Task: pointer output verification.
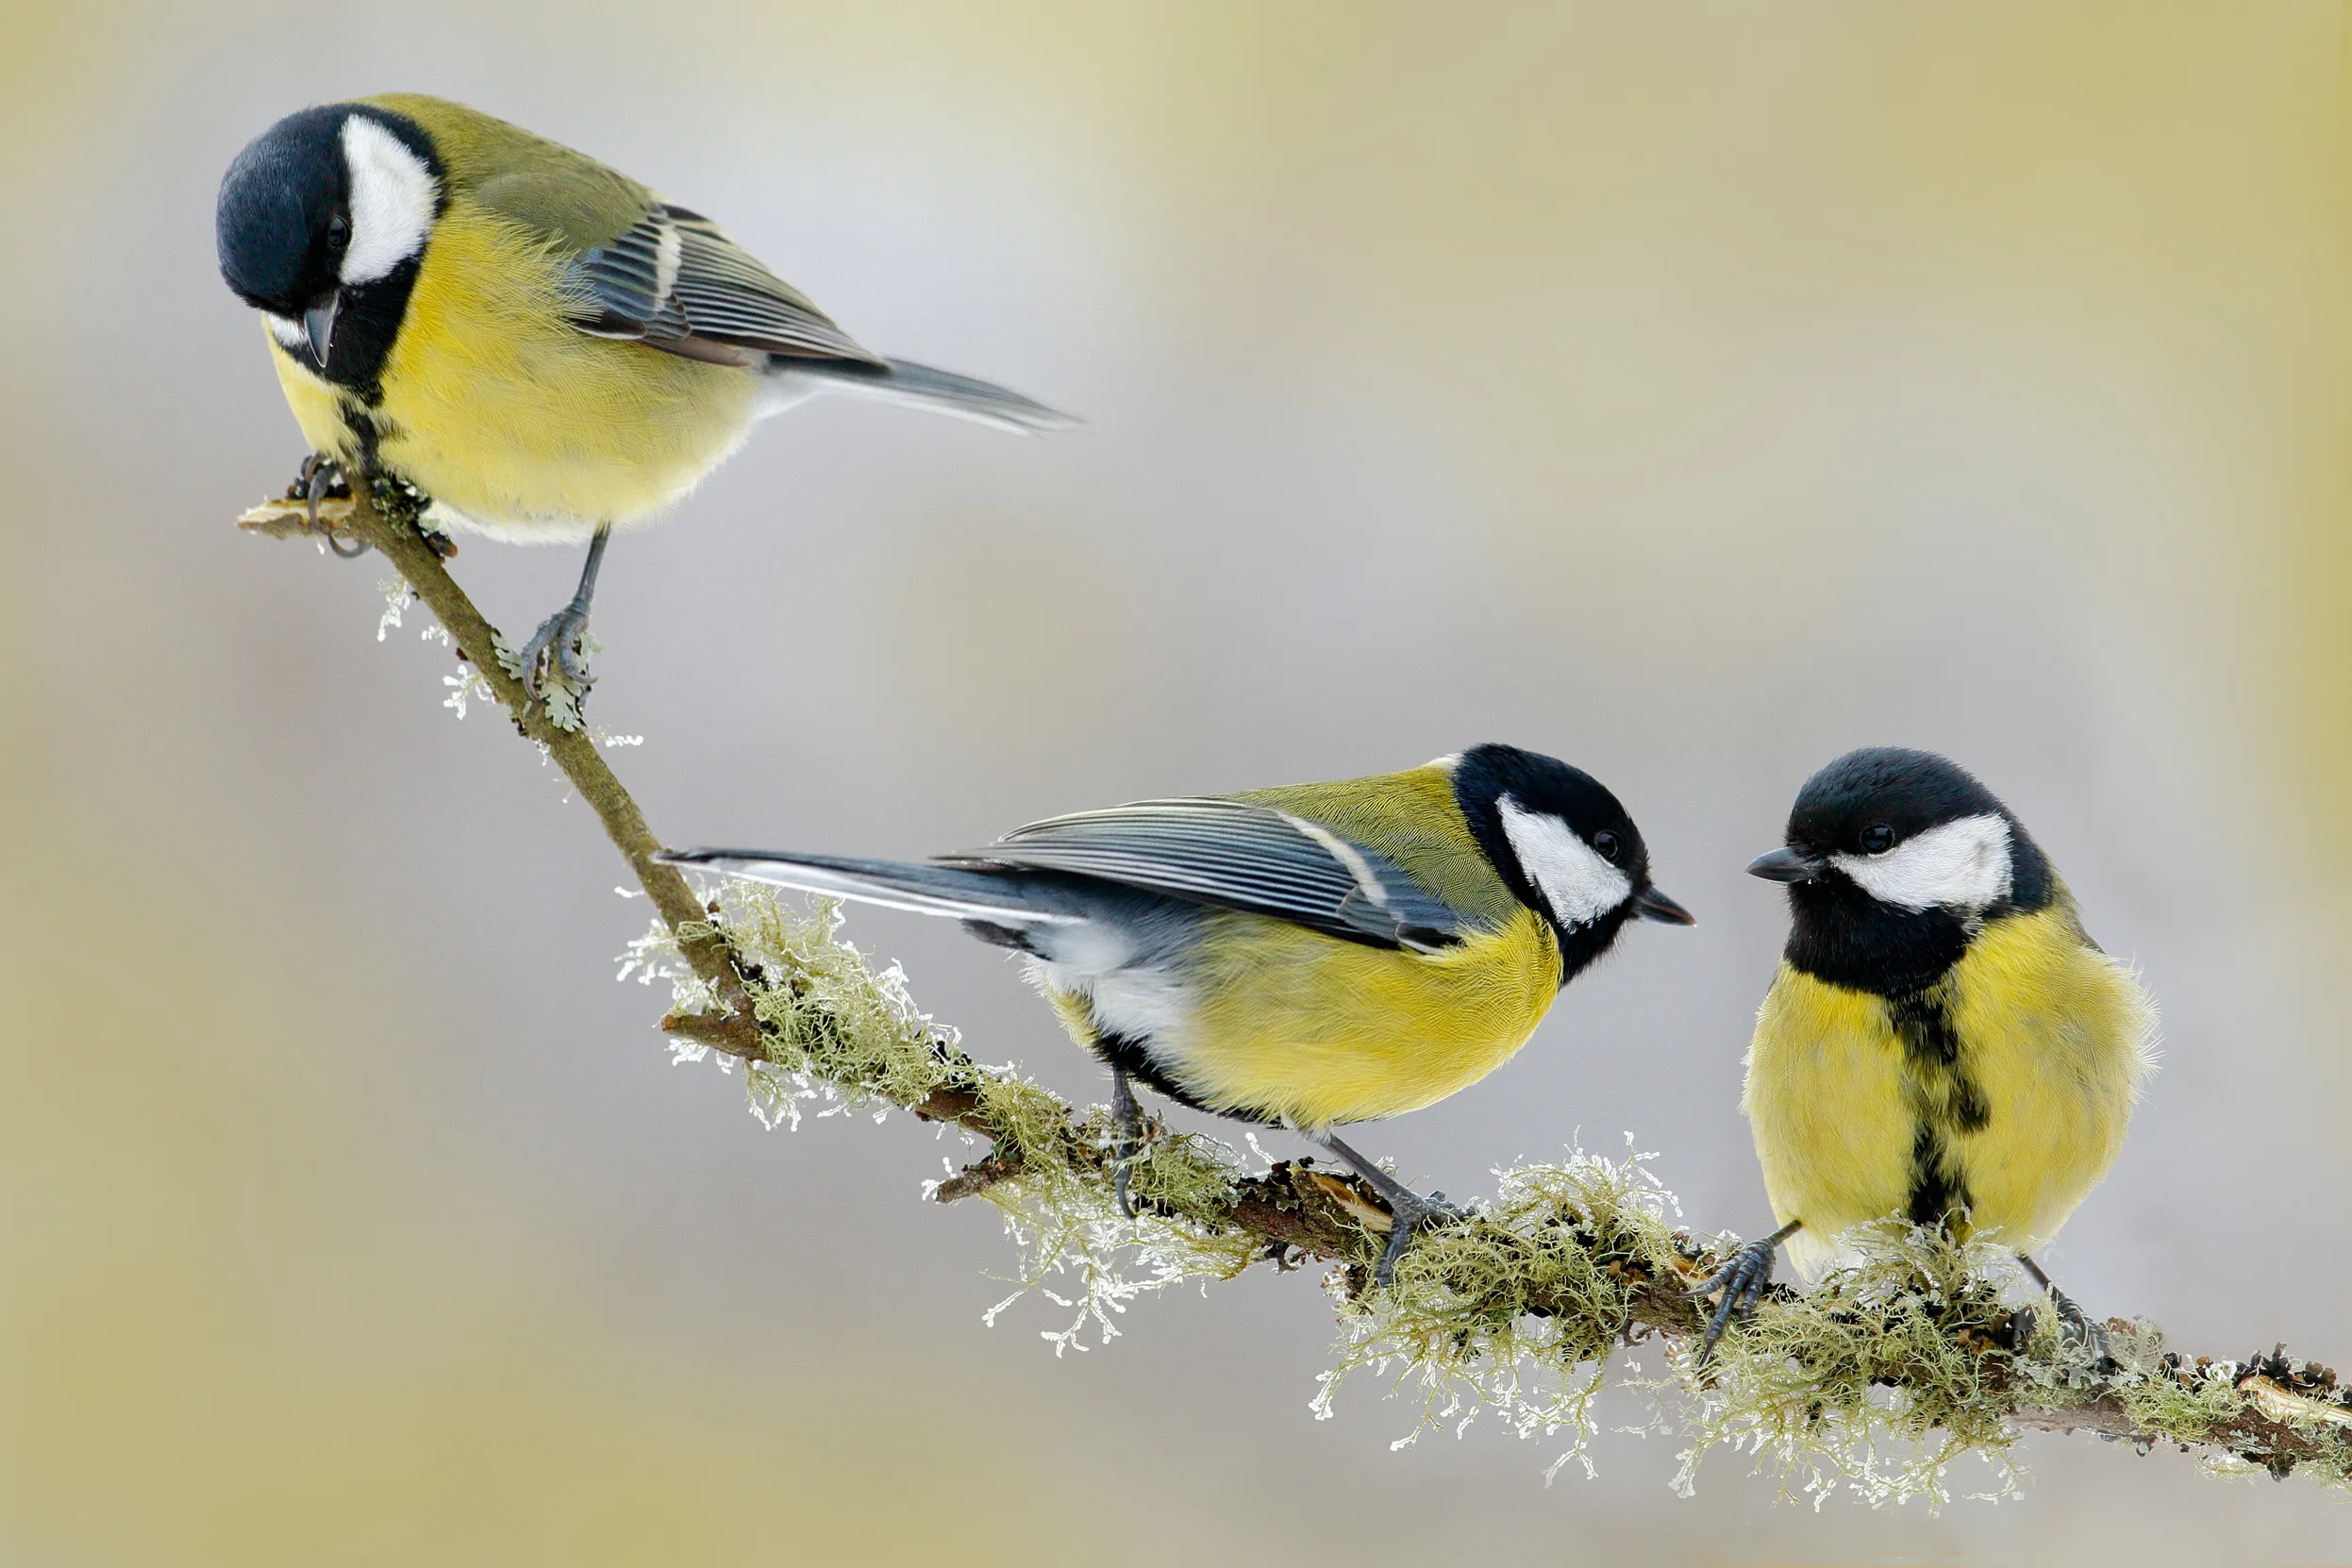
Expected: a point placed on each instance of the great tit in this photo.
(1944, 1041)
(1309, 955)
(537, 343)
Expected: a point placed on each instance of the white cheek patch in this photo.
(393, 197)
(1960, 865)
(1578, 885)
(290, 335)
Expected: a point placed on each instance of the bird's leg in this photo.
(1126, 1123)
(1741, 1279)
(2073, 1326)
(1408, 1208)
(557, 642)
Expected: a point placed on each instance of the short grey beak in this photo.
(1652, 905)
(1784, 865)
(319, 322)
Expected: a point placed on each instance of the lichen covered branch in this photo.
(1878, 1379)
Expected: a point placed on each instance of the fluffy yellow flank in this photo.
(496, 405)
(1296, 1025)
(2054, 1034)
(2060, 1038)
(1825, 1099)
(317, 407)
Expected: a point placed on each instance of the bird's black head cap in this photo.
(1564, 845)
(1903, 791)
(323, 229)
(1857, 921)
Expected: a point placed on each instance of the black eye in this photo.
(1605, 844)
(337, 233)
(1877, 839)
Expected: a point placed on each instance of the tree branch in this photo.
(374, 517)
(1565, 1264)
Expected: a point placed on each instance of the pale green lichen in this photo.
(1078, 1252)
(398, 596)
(2196, 1410)
(1878, 1380)
(560, 695)
(847, 1037)
(1517, 1313)
(1881, 1378)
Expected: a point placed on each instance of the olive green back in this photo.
(1412, 818)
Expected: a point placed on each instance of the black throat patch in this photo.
(1839, 934)
(1945, 1102)
(365, 325)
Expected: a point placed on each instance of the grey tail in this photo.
(924, 387)
(930, 890)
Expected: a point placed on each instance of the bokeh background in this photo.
(1693, 392)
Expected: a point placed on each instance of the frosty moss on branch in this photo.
(1881, 1378)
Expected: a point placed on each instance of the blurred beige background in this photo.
(1693, 392)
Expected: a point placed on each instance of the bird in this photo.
(1943, 1042)
(541, 346)
(1306, 955)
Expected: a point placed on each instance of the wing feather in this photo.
(1240, 856)
(676, 281)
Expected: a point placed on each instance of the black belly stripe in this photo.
(365, 433)
(1943, 1098)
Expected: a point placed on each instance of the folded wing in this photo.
(675, 281)
(1237, 856)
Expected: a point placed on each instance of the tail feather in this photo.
(926, 387)
(894, 884)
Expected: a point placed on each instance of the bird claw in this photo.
(1742, 1279)
(2075, 1327)
(557, 649)
(1124, 1153)
(1408, 1213)
(319, 478)
(1408, 1209)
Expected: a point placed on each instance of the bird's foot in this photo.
(1741, 1279)
(557, 653)
(1408, 1209)
(2075, 1328)
(320, 478)
(1408, 1213)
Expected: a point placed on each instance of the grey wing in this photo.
(675, 281)
(1237, 855)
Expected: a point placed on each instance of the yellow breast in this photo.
(493, 403)
(2060, 1038)
(1834, 1129)
(2053, 1040)
(1288, 1023)
(318, 406)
